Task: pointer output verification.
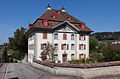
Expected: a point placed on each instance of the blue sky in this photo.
(99, 15)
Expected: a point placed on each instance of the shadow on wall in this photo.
(14, 78)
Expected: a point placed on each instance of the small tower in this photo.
(63, 9)
(48, 7)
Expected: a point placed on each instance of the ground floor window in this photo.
(82, 56)
(56, 57)
(72, 56)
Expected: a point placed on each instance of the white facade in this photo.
(77, 48)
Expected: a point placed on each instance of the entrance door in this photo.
(64, 57)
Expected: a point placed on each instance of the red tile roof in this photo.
(63, 16)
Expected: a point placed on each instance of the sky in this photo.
(99, 15)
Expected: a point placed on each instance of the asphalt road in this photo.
(23, 71)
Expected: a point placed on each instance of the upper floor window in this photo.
(64, 36)
(82, 47)
(44, 35)
(72, 37)
(82, 37)
(56, 46)
(72, 46)
(44, 46)
(64, 46)
(56, 36)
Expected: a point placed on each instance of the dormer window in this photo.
(58, 12)
(82, 26)
(68, 18)
(45, 22)
(53, 16)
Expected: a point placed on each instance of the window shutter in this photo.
(67, 46)
(64, 36)
(41, 46)
(61, 46)
(79, 37)
(84, 46)
(44, 35)
(84, 56)
(84, 37)
(79, 46)
(79, 56)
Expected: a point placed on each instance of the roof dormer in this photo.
(82, 26)
(45, 22)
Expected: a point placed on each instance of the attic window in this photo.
(45, 22)
(58, 11)
(68, 18)
(53, 16)
(82, 26)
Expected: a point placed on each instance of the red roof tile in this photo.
(63, 16)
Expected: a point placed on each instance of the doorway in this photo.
(64, 57)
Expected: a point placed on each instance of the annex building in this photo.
(66, 33)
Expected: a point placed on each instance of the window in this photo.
(82, 37)
(64, 46)
(44, 35)
(72, 46)
(45, 22)
(44, 46)
(82, 56)
(72, 56)
(72, 37)
(56, 46)
(56, 57)
(82, 47)
(64, 36)
(56, 36)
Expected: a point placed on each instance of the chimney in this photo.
(63, 9)
(48, 7)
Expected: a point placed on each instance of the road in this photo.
(23, 71)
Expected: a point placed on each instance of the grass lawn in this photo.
(1, 64)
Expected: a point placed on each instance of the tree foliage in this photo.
(19, 41)
(107, 35)
(5, 55)
(111, 54)
(93, 45)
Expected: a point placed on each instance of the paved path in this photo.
(22, 71)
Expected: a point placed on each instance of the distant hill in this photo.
(101, 36)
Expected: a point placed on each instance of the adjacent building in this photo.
(66, 33)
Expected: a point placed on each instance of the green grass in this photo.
(1, 64)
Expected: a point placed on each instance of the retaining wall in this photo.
(85, 73)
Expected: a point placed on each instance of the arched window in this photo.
(56, 46)
(72, 46)
(44, 46)
(82, 47)
(64, 47)
(56, 36)
(72, 37)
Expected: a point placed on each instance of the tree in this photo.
(50, 51)
(111, 54)
(19, 42)
(5, 55)
(94, 45)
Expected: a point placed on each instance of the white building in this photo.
(69, 35)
